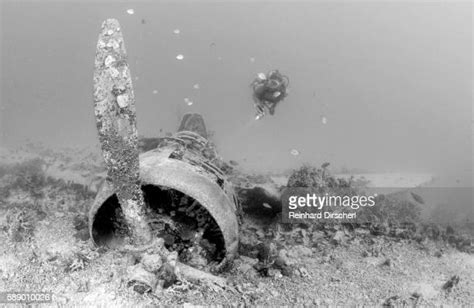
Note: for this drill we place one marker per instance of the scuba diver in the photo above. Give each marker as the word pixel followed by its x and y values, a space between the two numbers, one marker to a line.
pixel 268 91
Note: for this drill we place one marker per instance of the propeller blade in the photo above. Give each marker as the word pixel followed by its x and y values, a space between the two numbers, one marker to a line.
pixel 114 105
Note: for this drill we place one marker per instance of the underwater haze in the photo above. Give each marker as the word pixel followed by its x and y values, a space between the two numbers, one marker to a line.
pixel 381 87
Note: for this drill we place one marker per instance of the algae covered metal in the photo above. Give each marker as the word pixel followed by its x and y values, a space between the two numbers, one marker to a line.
pixel 179 179
pixel 114 106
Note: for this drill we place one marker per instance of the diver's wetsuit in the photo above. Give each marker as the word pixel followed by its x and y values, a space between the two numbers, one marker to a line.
pixel 258 98
pixel 268 93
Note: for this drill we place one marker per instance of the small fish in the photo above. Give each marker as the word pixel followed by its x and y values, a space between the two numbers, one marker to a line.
pixel 325 165
pixel 176 31
pixel 143 21
pixel 295 152
pixel 233 162
pixel 324 120
pixel 179 57
pixel 276 94
pixel 262 76
pixel 155 91
pixel 196 86
pixel 417 198
pixel 268 206
pixel 252 59
pixel 130 11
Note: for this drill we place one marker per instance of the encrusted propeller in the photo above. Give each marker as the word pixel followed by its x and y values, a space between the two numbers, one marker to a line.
pixel 114 105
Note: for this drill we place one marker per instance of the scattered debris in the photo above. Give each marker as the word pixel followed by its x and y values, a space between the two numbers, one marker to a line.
pixel 339 237
pixel 298 247
pixel 417 198
pixel 193 274
pixel 393 301
pixel 78 262
pixel 415 298
pixel 151 262
pixel 451 283
pixel 140 280
pixel 303 272
pixel 20 224
pixel 167 275
pixel 266 254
